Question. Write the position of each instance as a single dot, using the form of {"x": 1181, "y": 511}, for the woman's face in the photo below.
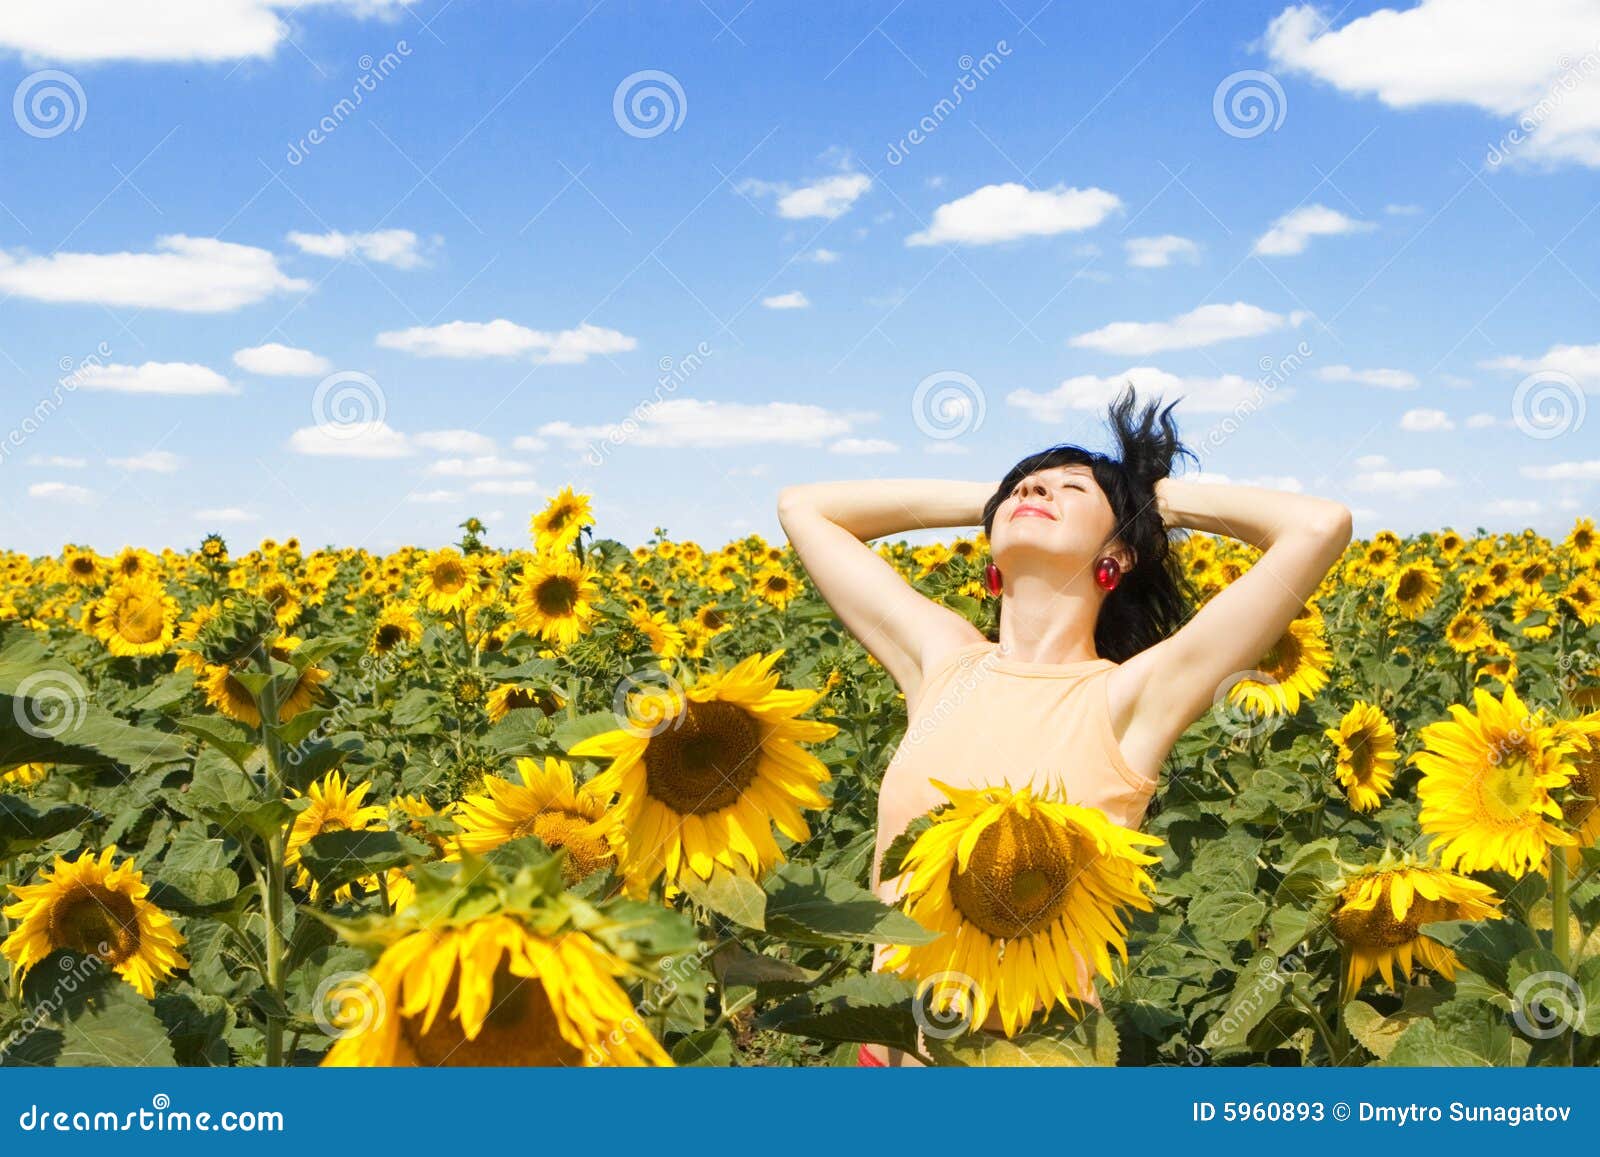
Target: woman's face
{"x": 1054, "y": 516}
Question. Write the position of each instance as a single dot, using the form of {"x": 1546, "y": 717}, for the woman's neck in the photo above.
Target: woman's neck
{"x": 1044, "y": 624}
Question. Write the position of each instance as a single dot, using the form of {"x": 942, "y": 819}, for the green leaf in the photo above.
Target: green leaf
{"x": 1460, "y": 1034}
{"x": 417, "y": 706}
{"x": 1226, "y": 917}
{"x": 894, "y": 855}
{"x": 1093, "y": 1042}
{"x": 811, "y": 906}
{"x": 335, "y": 858}
{"x": 23, "y": 826}
{"x": 1261, "y": 987}
{"x": 735, "y": 966}
{"x": 95, "y": 1017}
{"x": 708, "y": 1048}
{"x": 872, "y": 1009}
{"x": 226, "y": 736}
{"x": 739, "y": 898}
{"x": 571, "y": 732}
{"x": 1378, "y": 1033}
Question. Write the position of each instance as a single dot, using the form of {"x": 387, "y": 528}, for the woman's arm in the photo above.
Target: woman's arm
{"x": 1156, "y": 694}
{"x": 828, "y": 524}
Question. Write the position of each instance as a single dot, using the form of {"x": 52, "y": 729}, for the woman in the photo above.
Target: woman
{"x": 1099, "y": 666}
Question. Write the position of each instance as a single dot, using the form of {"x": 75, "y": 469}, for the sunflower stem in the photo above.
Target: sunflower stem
{"x": 1560, "y": 919}
{"x": 276, "y": 948}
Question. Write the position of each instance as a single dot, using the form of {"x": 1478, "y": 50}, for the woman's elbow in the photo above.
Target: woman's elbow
{"x": 1335, "y": 526}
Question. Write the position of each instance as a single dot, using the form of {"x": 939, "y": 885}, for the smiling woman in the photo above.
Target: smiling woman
{"x": 1097, "y": 669}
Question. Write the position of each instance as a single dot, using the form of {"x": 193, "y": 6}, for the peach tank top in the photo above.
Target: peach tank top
{"x": 983, "y": 718}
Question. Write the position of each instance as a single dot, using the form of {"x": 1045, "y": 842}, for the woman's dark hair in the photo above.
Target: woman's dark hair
{"x": 1152, "y": 600}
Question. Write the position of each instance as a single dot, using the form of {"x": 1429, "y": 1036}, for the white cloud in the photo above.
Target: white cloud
{"x": 528, "y": 444}
{"x": 153, "y": 461}
{"x": 1565, "y": 471}
{"x": 454, "y": 442}
{"x": 1482, "y": 422}
{"x": 1265, "y": 481}
{"x": 1007, "y": 212}
{"x": 367, "y": 440}
{"x": 1088, "y": 393}
{"x": 830, "y": 197}
{"x": 60, "y": 491}
{"x": 183, "y": 378}
{"x": 506, "y": 339}
{"x": 691, "y": 422}
{"x": 276, "y": 360}
{"x": 1423, "y": 421}
{"x": 1581, "y": 362}
{"x": 188, "y": 274}
{"x": 1371, "y": 462}
{"x": 1514, "y": 507}
{"x": 1291, "y": 233}
{"x": 433, "y": 497}
{"x": 486, "y": 466}
{"x": 224, "y": 514}
{"x": 821, "y": 256}
{"x": 1402, "y": 483}
{"x": 1383, "y": 379}
{"x": 1514, "y": 61}
{"x": 159, "y": 30}
{"x": 792, "y": 300}
{"x": 58, "y": 462}
{"x": 863, "y": 446}
{"x": 517, "y": 486}
{"x": 1159, "y": 252}
{"x": 397, "y": 247}
{"x": 1199, "y": 327}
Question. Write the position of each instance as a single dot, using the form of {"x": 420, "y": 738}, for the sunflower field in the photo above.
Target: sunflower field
{"x": 581, "y": 804}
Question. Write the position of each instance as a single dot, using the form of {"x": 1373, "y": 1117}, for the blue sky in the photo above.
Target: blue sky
{"x": 279, "y": 310}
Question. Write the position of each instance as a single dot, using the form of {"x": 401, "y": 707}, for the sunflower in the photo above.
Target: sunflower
{"x": 397, "y": 626}
{"x": 1414, "y": 587}
{"x": 448, "y": 582}
{"x": 1381, "y": 908}
{"x": 664, "y": 636}
{"x": 1582, "y": 596}
{"x": 90, "y": 907}
{"x": 547, "y": 804}
{"x": 1535, "y": 613}
{"x": 335, "y": 807}
{"x": 495, "y": 992}
{"x": 81, "y": 567}
{"x": 136, "y": 617}
{"x": 1583, "y": 542}
{"x": 397, "y": 881}
{"x": 228, "y": 694}
{"x": 558, "y": 525}
{"x": 1019, "y": 888}
{"x": 23, "y": 774}
{"x": 775, "y": 586}
{"x": 1381, "y": 556}
{"x": 705, "y": 772}
{"x": 1486, "y": 786}
{"x": 1580, "y": 798}
{"x": 1364, "y": 741}
{"x": 509, "y": 697}
{"x": 556, "y": 598}
{"x": 1296, "y": 668}
{"x": 1467, "y": 633}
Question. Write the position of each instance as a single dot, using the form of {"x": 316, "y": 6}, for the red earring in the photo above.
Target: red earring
{"x": 1108, "y": 573}
{"x": 991, "y": 579}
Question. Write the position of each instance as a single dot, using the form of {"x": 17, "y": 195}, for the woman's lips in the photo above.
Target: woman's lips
{"x": 1028, "y": 511}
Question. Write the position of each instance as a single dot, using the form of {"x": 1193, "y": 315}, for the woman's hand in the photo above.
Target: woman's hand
{"x": 828, "y": 523}
{"x": 1156, "y": 694}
